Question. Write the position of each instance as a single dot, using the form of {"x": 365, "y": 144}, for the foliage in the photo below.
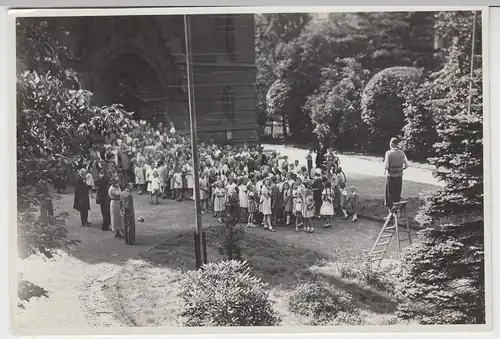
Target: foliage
{"x": 28, "y": 290}
{"x": 374, "y": 41}
{"x": 226, "y": 293}
{"x": 419, "y": 133}
{"x": 232, "y": 232}
{"x": 272, "y": 32}
{"x": 319, "y": 303}
{"x": 382, "y": 103}
{"x": 445, "y": 272}
{"x": 334, "y": 107}
{"x": 383, "y": 278}
{"x": 56, "y": 127}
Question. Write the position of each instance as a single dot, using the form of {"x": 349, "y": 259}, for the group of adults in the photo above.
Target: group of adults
{"x": 117, "y": 206}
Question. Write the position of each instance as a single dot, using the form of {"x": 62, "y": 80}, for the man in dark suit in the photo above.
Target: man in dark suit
{"x": 128, "y": 214}
{"x": 82, "y": 201}
{"x": 102, "y": 198}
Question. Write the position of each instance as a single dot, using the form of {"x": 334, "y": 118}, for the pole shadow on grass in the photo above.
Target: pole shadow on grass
{"x": 278, "y": 264}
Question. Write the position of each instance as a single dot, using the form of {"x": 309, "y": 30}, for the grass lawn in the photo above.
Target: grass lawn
{"x": 371, "y": 192}
{"x": 148, "y": 286}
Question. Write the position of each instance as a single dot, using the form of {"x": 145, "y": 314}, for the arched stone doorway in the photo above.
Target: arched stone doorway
{"x": 129, "y": 79}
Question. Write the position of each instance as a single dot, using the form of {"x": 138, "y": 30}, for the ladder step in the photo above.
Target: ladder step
{"x": 390, "y": 227}
{"x": 377, "y": 259}
{"x": 379, "y": 251}
{"x": 383, "y": 243}
{"x": 386, "y": 235}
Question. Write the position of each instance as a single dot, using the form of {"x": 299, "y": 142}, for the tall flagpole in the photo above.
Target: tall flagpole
{"x": 198, "y": 236}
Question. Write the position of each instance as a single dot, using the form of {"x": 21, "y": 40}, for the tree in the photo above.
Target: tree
{"x": 56, "y": 124}
{"x": 374, "y": 40}
{"x": 272, "y": 32}
{"x": 382, "y": 103}
{"x": 445, "y": 278}
{"x": 419, "y": 133}
{"x": 334, "y": 108}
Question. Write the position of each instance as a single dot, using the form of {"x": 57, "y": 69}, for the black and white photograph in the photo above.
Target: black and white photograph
{"x": 242, "y": 168}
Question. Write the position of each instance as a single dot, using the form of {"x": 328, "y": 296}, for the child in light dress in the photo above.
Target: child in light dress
{"x": 351, "y": 204}
{"x": 177, "y": 180}
{"x": 287, "y": 202}
{"x": 243, "y": 198}
{"x": 308, "y": 212}
{"x": 297, "y": 206}
{"x": 140, "y": 177}
{"x": 220, "y": 200}
{"x": 327, "y": 209}
{"x": 265, "y": 201}
{"x": 204, "y": 196}
{"x": 149, "y": 175}
{"x": 252, "y": 205}
{"x": 155, "y": 187}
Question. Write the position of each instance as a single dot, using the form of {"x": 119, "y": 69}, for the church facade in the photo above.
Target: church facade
{"x": 140, "y": 62}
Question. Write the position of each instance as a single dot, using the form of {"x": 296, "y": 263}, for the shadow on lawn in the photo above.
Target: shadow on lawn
{"x": 280, "y": 265}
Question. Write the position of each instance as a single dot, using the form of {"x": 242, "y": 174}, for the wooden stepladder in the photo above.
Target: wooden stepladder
{"x": 398, "y": 217}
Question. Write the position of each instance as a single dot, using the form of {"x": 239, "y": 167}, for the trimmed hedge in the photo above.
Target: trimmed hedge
{"x": 382, "y": 103}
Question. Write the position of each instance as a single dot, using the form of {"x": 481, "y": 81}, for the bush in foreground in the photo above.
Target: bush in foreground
{"x": 320, "y": 303}
{"x": 226, "y": 294}
{"x": 382, "y": 278}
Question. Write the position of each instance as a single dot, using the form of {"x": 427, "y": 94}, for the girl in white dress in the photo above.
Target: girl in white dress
{"x": 265, "y": 201}
{"x": 149, "y": 176}
{"x": 308, "y": 212}
{"x": 203, "y": 192}
{"x": 177, "y": 180}
{"x": 189, "y": 179}
{"x": 287, "y": 202}
{"x": 327, "y": 209}
{"x": 155, "y": 187}
{"x": 297, "y": 205}
{"x": 220, "y": 200}
{"x": 140, "y": 178}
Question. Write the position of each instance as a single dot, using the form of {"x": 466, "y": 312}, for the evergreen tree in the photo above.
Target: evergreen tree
{"x": 444, "y": 278}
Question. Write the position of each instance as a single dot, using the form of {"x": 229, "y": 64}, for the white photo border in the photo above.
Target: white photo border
{"x": 9, "y": 126}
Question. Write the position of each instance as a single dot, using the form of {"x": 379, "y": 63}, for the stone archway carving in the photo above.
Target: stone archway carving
{"x": 129, "y": 77}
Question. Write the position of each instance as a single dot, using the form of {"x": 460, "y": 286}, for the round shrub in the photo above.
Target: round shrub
{"x": 226, "y": 293}
{"x": 382, "y": 103}
{"x": 319, "y": 303}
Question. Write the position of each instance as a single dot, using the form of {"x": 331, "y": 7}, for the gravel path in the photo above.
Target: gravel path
{"x": 355, "y": 165}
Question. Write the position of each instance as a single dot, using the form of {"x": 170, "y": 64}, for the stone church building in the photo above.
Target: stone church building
{"x": 140, "y": 62}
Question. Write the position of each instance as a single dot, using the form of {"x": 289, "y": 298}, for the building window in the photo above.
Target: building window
{"x": 227, "y": 102}
{"x": 438, "y": 41}
{"x": 229, "y": 35}
{"x": 224, "y": 35}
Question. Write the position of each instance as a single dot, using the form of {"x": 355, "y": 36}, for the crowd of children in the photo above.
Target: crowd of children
{"x": 270, "y": 189}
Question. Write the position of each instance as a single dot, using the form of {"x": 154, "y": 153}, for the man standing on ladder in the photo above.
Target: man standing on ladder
{"x": 395, "y": 163}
